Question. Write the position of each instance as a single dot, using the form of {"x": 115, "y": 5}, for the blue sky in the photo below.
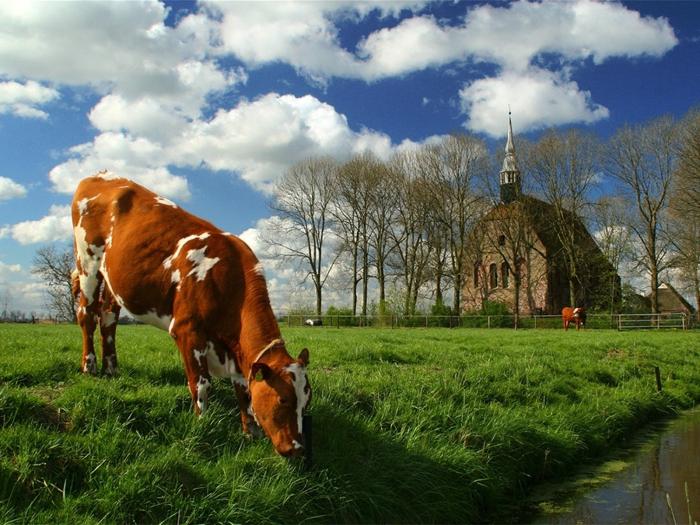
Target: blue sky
{"x": 209, "y": 103}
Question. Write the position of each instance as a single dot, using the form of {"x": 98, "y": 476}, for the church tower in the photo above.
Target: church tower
{"x": 511, "y": 186}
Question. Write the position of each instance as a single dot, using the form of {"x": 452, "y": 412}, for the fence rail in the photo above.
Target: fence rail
{"x": 652, "y": 321}
{"x": 594, "y": 321}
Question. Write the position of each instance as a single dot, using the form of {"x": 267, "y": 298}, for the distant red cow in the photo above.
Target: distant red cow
{"x": 577, "y": 315}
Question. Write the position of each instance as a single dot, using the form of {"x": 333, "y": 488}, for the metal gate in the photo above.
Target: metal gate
{"x": 652, "y": 321}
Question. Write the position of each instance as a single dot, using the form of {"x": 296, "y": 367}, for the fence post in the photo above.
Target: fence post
{"x": 535, "y": 321}
{"x": 426, "y": 321}
{"x": 488, "y": 321}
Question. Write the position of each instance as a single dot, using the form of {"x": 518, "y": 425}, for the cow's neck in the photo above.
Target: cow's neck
{"x": 258, "y": 324}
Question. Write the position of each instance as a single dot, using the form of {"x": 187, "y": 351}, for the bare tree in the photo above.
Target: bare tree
{"x": 687, "y": 184}
{"x": 451, "y": 169}
{"x": 409, "y": 233}
{"x": 302, "y": 200}
{"x": 563, "y": 167}
{"x": 644, "y": 159}
{"x": 352, "y": 197}
{"x": 55, "y": 266}
{"x": 614, "y": 237}
{"x": 382, "y": 215}
{"x": 684, "y": 216}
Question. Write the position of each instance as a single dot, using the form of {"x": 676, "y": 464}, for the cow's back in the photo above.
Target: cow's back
{"x": 151, "y": 247}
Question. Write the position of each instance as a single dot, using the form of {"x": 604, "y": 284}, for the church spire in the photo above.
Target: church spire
{"x": 511, "y": 186}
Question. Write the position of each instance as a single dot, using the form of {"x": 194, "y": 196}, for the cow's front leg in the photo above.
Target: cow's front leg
{"x": 193, "y": 349}
{"x": 248, "y": 423}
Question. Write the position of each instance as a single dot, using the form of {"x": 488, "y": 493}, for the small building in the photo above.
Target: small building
{"x": 670, "y": 301}
{"x": 516, "y": 256}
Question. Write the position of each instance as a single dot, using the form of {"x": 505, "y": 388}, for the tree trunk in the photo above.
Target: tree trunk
{"x": 318, "y": 300}
{"x": 457, "y": 302}
{"x": 365, "y": 275}
{"x": 654, "y": 288}
{"x": 354, "y": 280}
{"x": 572, "y": 293}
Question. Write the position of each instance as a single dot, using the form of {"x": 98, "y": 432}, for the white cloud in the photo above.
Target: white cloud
{"x": 539, "y": 98}
{"x": 259, "y": 140}
{"x": 22, "y": 100}
{"x": 10, "y": 189}
{"x": 7, "y": 270}
{"x": 56, "y": 226}
{"x": 135, "y": 158}
{"x": 306, "y": 36}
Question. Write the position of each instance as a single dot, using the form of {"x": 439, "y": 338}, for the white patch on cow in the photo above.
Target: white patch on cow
{"x": 296, "y": 444}
{"x": 89, "y": 262}
{"x": 108, "y": 319}
{"x": 83, "y": 204}
{"x": 81, "y": 310}
{"x": 166, "y": 202}
{"x": 170, "y": 327}
{"x": 259, "y": 269}
{"x": 106, "y": 174}
{"x": 110, "y": 339}
{"x": 168, "y": 262}
{"x": 201, "y": 263}
{"x": 151, "y": 317}
{"x": 202, "y": 394}
{"x": 299, "y": 381}
{"x": 90, "y": 364}
{"x": 175, "y": 277}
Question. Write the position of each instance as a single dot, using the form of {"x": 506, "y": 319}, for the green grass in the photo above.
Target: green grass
{"x": 423, "y": 425}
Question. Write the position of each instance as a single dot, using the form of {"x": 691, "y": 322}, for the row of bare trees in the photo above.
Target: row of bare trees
{"x": 409, "y": 220}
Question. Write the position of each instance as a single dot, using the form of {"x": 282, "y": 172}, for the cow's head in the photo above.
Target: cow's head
{"x": 280, "y": 391}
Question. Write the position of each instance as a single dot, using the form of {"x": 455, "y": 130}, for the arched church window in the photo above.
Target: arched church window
{"x": 493, "y": 275}
{"x": 505, "y": 275}
{"x": 477, "y": 266}
{"x": 501, "y": 240}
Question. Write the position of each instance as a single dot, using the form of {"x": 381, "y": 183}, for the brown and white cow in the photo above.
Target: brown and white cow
{"x": 139, "y": 251}
{"x": 577, "y": 315}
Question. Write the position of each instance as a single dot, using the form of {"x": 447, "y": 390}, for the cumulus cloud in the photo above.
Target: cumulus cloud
{"x": 541, "y": 98}
{"x": 8, "y": 269}
{"x": 259, "y": 140}
{"x": 135, "y": 158}
{"x": 305, "y": 35}
{"x": 514, "y": 37}
{"x": 10, "y": 189}
{"x": 56, "y": 226}
{"x": 22, "y": 100}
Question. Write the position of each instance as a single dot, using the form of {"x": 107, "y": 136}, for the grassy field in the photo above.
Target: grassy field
{"x": 422, "y": 425}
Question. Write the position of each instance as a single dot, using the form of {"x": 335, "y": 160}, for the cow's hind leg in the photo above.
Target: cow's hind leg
{"x": 88, "y": 316}
{"x": 109, "y": 315}
{"x": 193, "y": 348}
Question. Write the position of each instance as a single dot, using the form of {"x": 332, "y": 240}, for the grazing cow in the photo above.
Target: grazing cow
{"x": 577, "y": 315}
{"x": 139, "y": 251}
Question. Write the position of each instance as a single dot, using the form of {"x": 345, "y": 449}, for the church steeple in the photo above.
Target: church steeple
{"x": 511, "y": 187}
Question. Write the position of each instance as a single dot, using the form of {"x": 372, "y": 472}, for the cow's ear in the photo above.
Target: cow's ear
{"x": 260, "y": 372}
{"x": 304, "y": 357}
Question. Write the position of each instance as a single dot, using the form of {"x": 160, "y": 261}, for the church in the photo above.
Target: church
{"x": 517, "y": 257}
